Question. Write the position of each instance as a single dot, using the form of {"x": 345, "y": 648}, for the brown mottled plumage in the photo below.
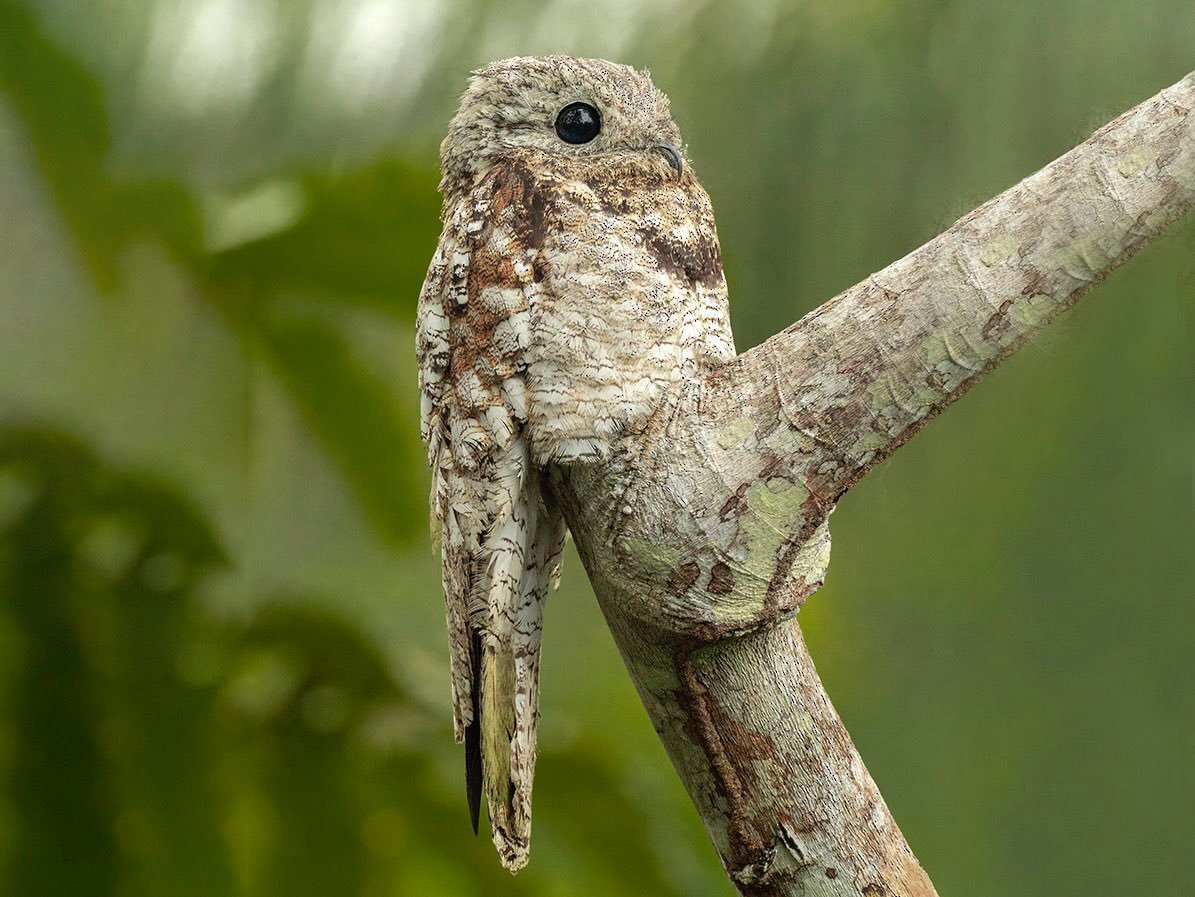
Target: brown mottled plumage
{"x": 572, "y": 284}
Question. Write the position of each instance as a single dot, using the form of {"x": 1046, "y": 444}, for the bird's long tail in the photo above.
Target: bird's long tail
{"x": 524, "y": 564}
{"x": 512, "y": 562}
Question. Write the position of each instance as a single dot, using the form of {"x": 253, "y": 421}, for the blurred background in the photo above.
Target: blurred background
{"x": 223, "y": 666}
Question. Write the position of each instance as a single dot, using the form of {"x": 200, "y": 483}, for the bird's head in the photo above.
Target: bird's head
{"x": 562, "y": 107}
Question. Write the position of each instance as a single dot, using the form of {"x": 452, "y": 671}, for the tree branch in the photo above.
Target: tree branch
{"x": 704, "y": 535}
{"x": 865, "y": 371}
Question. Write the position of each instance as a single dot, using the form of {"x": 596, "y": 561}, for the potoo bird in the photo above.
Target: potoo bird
{"x": 578, "y": 275}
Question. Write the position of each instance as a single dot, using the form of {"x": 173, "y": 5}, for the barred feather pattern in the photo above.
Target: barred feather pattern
{"x": 501, "y": 535}
{"x": 566, "y": 293}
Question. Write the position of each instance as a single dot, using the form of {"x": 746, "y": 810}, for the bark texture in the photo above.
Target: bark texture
{"x": 705, "y": 534}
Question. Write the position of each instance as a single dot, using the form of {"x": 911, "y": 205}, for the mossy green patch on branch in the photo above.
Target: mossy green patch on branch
{"x": 1031, "y": 312}
{"x": 1138, "y": 159}
{"x": 1002, "y": 250}
{"x": 651, "y": 557}
{"x": 775, "y": 513}
{"x": 736, "y": 433}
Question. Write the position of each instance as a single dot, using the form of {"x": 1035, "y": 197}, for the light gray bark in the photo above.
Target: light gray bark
{"x": 704, "y": 535}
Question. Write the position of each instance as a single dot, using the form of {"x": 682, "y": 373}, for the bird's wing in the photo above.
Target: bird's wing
{"x": 500, "y": 533}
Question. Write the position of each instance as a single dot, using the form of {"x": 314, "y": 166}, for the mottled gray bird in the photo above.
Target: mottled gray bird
{"x": 578, "y": 275}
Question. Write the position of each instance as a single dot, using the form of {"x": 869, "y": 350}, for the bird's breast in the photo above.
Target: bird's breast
{"x": 630, "y": 272}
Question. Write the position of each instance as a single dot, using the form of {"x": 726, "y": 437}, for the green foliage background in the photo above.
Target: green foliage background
{"x": 222, "y": 661}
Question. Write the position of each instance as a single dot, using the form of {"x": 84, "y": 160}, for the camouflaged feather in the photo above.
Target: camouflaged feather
{"x": 570, "y": 287}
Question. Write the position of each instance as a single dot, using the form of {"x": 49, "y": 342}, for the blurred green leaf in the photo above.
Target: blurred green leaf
{"x": 111, "y": 751}
{"x": 365, "y": 237}
{"x": 354, "y": 243}
{"x": 354, "y": 416}
{"x": 62, "y": 106}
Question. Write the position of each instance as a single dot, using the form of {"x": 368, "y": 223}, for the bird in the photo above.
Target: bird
{"x": 577, "y": 277}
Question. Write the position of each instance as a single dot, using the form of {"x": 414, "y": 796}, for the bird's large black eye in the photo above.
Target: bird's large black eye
{"x": 578, "y": 123}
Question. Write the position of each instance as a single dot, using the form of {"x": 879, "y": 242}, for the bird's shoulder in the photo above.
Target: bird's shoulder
{"x": 473, "y": 323}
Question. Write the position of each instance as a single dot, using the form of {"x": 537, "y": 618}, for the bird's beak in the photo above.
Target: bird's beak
{"x": 672, "y": 154}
